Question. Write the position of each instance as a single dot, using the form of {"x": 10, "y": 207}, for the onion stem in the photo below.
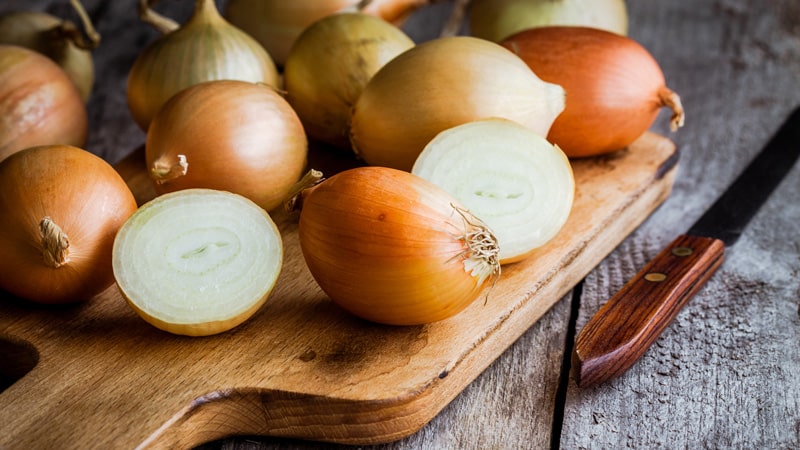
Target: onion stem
{"x": 163, "y": 24}
{"x": 295, "y": 199}
{"x": 672, "y": 100}
{"x": 88, "y": 40}
{"x": 163, "y": 171}
{"x": 55, "y": 243}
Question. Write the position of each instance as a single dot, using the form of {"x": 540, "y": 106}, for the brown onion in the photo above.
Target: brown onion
{"x": 61, "y": 209}
{"x": 227, "y": 135}
{"x": 615, "y": 88}
{"x": 39, "y": 104}
{"x": 440, "y": 84}
{"x": 394, "y": 248}
{"x": 205, "y": 48}
{"x": 329, "y": 65}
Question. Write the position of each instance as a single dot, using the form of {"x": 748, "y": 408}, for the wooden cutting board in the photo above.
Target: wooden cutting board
{"x": 103, "y": 378}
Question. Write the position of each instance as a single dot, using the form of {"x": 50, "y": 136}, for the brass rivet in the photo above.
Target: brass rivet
{"x": 655, "y": 277}
{"x": 682, "y": 251}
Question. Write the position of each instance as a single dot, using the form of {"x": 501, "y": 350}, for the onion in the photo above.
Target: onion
{"x": 393, "y": 248}
{"x": 440, "y": 84}
{"x": 615, "y": 88}
{"x": 197, "y": 262}
{"x": 39, "y": 105}
{"x": 61, "y": 208}
{"x": 58, "y": 39}
{"x": 495, "y": 20}
{"x": 229, "y": 135}
{"x": 276, "y": 24}
{"x": 329, "y": 65}
{"x": 512, "y": 178}
{"x": 205, "y": 48}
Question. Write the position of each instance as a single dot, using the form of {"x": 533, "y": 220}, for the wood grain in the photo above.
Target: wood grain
{"x": 301, "y": 367}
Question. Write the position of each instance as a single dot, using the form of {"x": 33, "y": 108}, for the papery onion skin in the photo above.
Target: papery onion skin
{"x": 38, "y": 31}
{"x": 329, "y": 65}
{"x": 390, "y": 247}
{"x": 39, "y": 104}
{"x": 81, "y": 194}
{"x": 234, "y": 136}
{"x": 496, "y": 20}
{"x": 615, "y": 88}
{"x": 205, "y": 48}
{"x": 440, "y": 84}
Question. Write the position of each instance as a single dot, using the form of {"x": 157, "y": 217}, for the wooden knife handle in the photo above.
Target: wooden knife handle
{"x": 625, "y": 327}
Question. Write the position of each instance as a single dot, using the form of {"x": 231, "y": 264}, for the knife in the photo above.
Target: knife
{"x": 627, "y": 325}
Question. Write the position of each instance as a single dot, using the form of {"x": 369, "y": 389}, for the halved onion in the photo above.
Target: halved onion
{"x": 197, "y": 262}
{"x": 512, "y": 178}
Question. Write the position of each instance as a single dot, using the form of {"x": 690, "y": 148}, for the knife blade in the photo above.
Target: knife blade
{"x": 627, "y": 324}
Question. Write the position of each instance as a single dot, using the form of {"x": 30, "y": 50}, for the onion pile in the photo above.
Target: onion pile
{"x": 197, "y": 262}
{"x": 393, "y": 248}
{"x": 496, "y": 20}
{"x": 440, "y": 84}
{"x": 58, "y": 39}
{"x": 205, "y": 48}
{"x": 39, "y": 104}
{"x": 615, "y": 88}
{"x": 228, "y": 135}
{"x": 512, "y": 178}
{"x": 329, "y": 65}
{"x": 61, "y": 208}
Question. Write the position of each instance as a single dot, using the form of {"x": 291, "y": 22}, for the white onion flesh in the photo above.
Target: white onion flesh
{"x": 512, "y": 178}
{"x": 197, "y": 261}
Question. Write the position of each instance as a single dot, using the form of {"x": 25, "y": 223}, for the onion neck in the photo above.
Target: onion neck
{"x": 672, "y": 100}
{"x": 163, "y": 171}
{"x": 55, "y": 243}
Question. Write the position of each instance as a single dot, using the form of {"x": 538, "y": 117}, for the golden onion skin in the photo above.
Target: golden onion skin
{"x": 386, "y": 246}
{"x": 205, "y": 48}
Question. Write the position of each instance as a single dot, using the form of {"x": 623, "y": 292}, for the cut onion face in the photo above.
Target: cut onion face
{"x": 512, "y": 178}
{"x": 197, "y": 262}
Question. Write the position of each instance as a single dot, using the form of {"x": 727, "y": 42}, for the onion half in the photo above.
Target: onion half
{"x": 512, "y": 178}
{"x": 440, "y": 84}
{"x": 393, "y": 248}
{"x": 615, "y": 88}
{"x": 61, "y": 208}
{"x": 197, "y": 262}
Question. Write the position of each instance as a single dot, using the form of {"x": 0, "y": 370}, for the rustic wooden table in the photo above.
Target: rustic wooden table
{"x": 726, "y": 373}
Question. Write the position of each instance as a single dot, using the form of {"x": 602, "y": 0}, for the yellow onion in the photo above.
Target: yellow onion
{"x": 61, "y": 208}
{"x": 440, "y": 84}
{"x": 393, "y": 248}
{"x": 197, "y": 262}
{"x": 276, "y": 24}
{"x": 205, "y": 48}
{"x": 615, "y": 88}
{"x": 58, "y": 39}
{"x": 329, "y": 65}
{"x": 39, "y": 104}
{"x": 495, "y": 20}
{"x": 512, "y": 178}
{"x": 227, "y": 135}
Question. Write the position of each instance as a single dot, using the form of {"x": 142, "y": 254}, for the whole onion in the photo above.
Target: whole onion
{"x": 39, "y": 104}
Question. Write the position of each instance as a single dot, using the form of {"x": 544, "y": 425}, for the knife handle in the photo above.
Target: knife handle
{"x": 627, "y": 325}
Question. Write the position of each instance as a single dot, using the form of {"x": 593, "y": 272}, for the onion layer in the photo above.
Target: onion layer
{"x": 228, "y": 135}
{"x": 615, "y": 88}
{"x": 39, "y": 104}
{"x": 512, "y": 178}
{"x": 197, "y": 262}
{"x": 329, "y": 65}
{"x": 393, "y": 248}
{"x": 495, "y": 20}
{"x": 61, "y": 208}
{"x": 440, "y": 84}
